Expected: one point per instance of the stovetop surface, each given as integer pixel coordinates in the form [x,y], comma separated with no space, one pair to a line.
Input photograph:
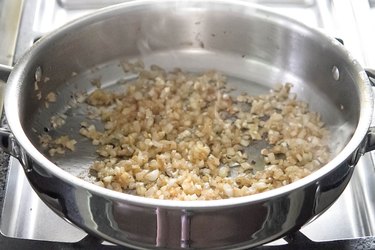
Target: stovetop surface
[352,216]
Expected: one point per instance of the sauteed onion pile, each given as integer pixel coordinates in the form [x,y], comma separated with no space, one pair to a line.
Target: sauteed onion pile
[181,136]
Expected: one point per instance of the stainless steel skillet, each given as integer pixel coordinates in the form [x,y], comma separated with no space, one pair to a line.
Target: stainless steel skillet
[253,46]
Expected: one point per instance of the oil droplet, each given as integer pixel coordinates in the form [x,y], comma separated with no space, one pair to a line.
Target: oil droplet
[335,73]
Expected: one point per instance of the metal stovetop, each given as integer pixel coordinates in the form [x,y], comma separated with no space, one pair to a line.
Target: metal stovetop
[352,215]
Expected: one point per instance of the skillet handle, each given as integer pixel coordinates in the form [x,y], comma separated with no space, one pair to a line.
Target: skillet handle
[8,143]
[10,146]
[370,140]
[371,76]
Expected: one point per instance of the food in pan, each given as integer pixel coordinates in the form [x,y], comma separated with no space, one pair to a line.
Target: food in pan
[183,136]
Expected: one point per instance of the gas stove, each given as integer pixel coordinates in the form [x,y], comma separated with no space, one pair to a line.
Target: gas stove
[27,223]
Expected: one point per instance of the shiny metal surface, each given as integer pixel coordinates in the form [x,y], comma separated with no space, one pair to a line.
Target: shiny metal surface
[184,224]
[4,74]
[365,21]
[185,216]
[30,218]
[10,15]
